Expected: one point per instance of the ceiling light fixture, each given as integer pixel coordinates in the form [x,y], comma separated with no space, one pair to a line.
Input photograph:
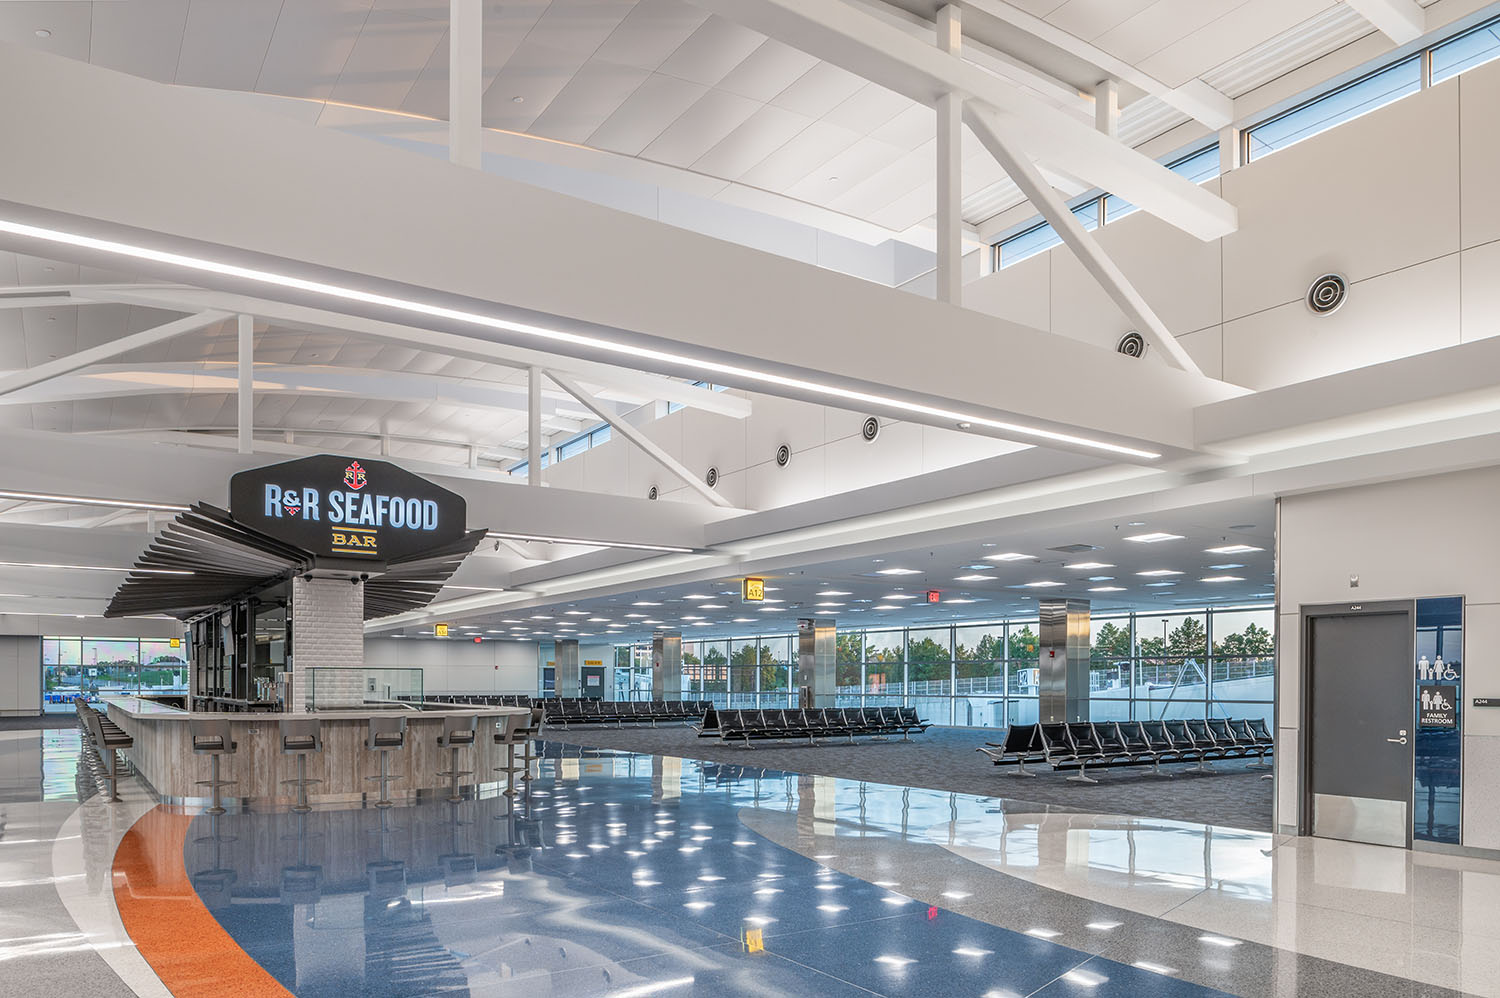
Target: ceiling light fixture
[975,578]
[581,541]
[1044,584]
[1154,572]
[1107,589]
[595,342]
[1010,556]
[1154,538]
[1234,549]
[833,592]
[898,571]
[1088,566]
[94,568]
[1221,578]
[899,596]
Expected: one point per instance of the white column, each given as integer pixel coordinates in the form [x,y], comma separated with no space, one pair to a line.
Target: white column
[949,169]
[465,80]
[246,417]
[1231,149]
[534,427]
[1107,108]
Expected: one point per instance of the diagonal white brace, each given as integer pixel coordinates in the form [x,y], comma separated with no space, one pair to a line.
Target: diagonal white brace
[990,129]
[635,436]
[36,374]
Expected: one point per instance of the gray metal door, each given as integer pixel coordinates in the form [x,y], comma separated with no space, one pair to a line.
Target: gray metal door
[1360,726]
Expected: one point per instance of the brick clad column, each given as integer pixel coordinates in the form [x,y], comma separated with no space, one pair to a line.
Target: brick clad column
[328,631]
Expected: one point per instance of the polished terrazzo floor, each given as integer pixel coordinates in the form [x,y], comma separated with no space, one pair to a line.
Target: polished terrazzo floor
[633,875]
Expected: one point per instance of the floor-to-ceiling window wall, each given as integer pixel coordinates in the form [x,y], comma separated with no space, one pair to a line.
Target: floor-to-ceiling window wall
[90,667]
[1143,666]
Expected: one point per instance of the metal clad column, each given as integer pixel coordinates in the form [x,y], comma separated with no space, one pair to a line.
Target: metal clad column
[666,665]
[569,676]
[816,655]
[1063,660]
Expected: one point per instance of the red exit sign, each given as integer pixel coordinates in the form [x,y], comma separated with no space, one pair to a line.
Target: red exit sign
[933,596]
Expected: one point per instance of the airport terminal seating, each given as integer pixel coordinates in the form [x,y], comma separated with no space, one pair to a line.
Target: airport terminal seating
[819,722]
[568,711]
[477,699]
[106,739]
[1085,745]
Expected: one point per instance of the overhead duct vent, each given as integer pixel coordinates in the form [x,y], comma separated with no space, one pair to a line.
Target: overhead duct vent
[783,456]
[712,478]
[1132,344]
[1327,294]
[871,429]
[653,493]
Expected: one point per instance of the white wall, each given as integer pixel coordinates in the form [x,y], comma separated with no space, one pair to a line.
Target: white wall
[458,665]
[1422,537]
[1401,201]
[20,675]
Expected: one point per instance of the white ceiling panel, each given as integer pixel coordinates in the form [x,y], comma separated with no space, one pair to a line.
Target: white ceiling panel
[819,90]
[311,46]
[225,41]
[869,108]
[1088,19]
[909,129]
[67,24]
[894,181]
[505,27]
[765,131]
[1195,54]
[712,51]
[1151,30]
[142,39]
[390,52]
[650,32]
[807,151]
[842,172]
[594,93]
[767,71]
[645,114]
[701,127]
[13,340]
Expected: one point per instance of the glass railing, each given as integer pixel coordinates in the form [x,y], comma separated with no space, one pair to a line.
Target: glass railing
[354,688]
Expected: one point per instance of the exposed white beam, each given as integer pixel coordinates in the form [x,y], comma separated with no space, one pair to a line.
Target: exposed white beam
[465,81]
[534,426]
[24,299]
[991,131]
[1401,21]
[846,36]
[74,361]
[1194,98]
[1107,108]
[635,436]
[950,109]
[245,394]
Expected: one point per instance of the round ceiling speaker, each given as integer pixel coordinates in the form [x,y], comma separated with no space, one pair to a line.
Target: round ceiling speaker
[783,456]
[712,478]
[1327,294]
[1132,344]
[653,493]
[871,429]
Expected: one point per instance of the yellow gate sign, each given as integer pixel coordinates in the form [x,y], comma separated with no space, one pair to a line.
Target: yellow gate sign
[441,630]
[755,590]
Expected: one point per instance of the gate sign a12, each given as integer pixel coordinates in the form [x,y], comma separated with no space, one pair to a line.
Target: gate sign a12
[348,511]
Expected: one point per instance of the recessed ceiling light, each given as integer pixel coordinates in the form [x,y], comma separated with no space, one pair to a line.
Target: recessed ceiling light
[898,571]
[1157,585]
[576,613]
[645,603]
[887,606]
[1226,567]
[712,606]
[1234,549]
[636,616]
[598,620]
[1044,584]
[833,592]
[1101,578]
[975,578]
[518,99]
[1222,578]
[960,601]
[1010,556]
[744,620]
[899,596]
[828,606]
[692,618]
[1154,538]
[540,616]
[1107,589]
[696,596]
[1151,573]
[1087,566]
[43,33]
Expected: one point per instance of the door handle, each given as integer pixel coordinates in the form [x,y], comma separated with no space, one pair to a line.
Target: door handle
[1397,741]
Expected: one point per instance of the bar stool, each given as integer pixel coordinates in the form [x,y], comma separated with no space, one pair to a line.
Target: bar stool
[211,738]
[510,732]
[531,731]
[458,732]
[301,737]
[385,733]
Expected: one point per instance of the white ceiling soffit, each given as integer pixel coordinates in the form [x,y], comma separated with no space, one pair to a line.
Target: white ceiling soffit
[848,37]
[328,220]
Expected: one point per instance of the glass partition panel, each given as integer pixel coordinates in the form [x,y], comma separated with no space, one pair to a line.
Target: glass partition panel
[929,662]
[1022,641]
[331,688]
[979,643]
[885,665]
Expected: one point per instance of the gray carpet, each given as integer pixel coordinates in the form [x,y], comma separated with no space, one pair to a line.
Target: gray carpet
[945,759]
[39,722]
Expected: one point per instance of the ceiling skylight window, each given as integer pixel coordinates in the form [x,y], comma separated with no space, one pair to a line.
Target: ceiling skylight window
[1154,538]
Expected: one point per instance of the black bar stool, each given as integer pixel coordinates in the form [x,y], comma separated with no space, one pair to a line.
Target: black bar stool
[385,733]
[458,732]
[510,731]
[301,737]
[211,738]
[531,731]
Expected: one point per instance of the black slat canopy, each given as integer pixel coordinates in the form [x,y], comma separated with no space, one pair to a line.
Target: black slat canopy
[204,559]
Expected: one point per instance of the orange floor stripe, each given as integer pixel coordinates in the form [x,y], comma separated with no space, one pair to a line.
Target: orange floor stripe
[179,938]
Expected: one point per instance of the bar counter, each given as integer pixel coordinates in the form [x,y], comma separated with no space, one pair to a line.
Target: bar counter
[163,753]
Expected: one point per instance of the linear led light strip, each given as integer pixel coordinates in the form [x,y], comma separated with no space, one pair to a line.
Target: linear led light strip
[95,568]
[493,322]
[542,539]
[90,501]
